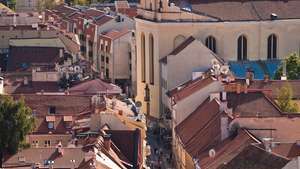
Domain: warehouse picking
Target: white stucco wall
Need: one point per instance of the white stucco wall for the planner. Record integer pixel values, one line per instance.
(121, 49)
(226, 34)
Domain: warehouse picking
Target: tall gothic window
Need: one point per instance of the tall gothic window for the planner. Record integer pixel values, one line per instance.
(143, 59)
(242, 48)
(151, 59)
(272, 46)
(210, 42)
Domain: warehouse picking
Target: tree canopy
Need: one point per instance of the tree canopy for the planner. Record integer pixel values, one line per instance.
(292, 68)
(16, 121)
(285, 102)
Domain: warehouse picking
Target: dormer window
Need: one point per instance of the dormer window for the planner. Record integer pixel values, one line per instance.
(52, 110)
(68, 121)
(50, 125)
(50, 120)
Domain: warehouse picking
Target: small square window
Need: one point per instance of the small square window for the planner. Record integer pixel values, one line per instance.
(52, 110)
(47, 143)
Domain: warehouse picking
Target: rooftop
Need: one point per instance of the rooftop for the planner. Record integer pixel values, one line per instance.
(51, 42)
(252, 104)
(189, 88)
(201, 129)
(95, 86)
(227, 10)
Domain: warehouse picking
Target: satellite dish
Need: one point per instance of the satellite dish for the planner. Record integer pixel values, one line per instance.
(216, 67)
(224, 69)
(138, 104)
(77, 69)
(212, 153)
(64, 70)
(214, 62)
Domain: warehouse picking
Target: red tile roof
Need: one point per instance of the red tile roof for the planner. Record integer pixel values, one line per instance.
(115, 34)
(226, 150)
(65, 105)
(95, 86)
(260, 105)
(189, 88)
(39, 155)
(201, 129)
(275, 85)
(288, 150)
(130, 144)
(18, 87)
(227, 10)
(255, 157)
(93, 13)
(102, 20)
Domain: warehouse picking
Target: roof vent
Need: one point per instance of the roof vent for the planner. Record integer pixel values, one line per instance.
(274, 16)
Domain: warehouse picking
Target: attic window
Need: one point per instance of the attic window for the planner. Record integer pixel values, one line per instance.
(52, 110)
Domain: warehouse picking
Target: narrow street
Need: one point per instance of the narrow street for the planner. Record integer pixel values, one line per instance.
(160, 156)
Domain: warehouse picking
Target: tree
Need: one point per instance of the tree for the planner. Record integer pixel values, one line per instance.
(16, 122)
(292, 68)
(285, 100)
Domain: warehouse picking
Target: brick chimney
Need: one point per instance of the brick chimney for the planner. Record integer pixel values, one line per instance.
(266, 78)
(59, 149)
(107, 141)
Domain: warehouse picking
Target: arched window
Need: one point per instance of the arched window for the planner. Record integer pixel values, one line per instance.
(143, 60)
(210, 42)
(272, 46)
(178, 40)
(242, 48)
(151, 59)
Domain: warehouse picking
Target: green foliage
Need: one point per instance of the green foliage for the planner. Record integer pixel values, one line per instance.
(285, 100)
(292, 68)
(16, 122)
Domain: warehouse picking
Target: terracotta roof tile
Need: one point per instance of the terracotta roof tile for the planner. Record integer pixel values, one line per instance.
(95, 86)
(255, 157)
(226, 150)
(288, 150)
(275, 85)
(261, 105)
(227, 10)
(189, 88)
(201, 128)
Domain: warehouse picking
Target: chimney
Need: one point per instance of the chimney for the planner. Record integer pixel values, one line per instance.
(1, 85)
(268, 144)
(284, 76)
(266, 78)
(107, 141)
(15, 20)
(25, 81)
(238, 88)
(59, 149)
